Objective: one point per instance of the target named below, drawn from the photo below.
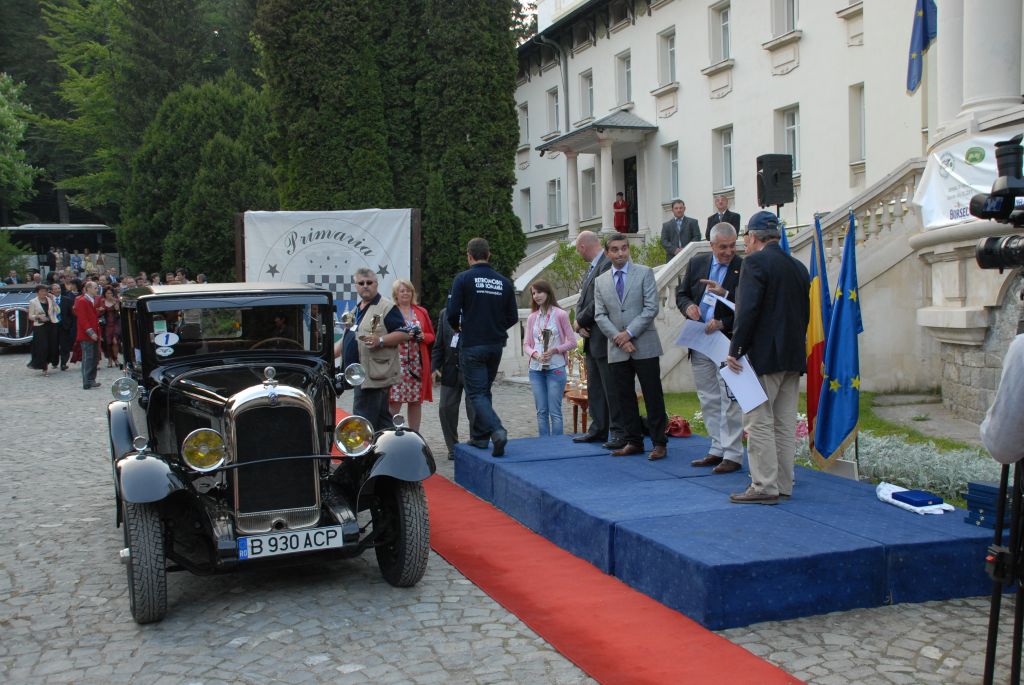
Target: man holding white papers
(708, 275)
(772, 311)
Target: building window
(588, 184)
(785, 14)
(671, 171)
(723, 158)
(624, 78)
(587, 94)
(524, 124)
(553, 110)
(858, 129)
(720, 41)
(788, 134)
(667, 57)
(525, 209)
(555, 202)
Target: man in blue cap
(772, 311)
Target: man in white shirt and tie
(679, 231)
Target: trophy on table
(545, 338)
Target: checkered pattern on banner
(343, 287)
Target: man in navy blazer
(595, 347)
(708, 275)
(772, 311)
(722, 213)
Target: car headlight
(203, 449)
(124, 389)
(353, 436)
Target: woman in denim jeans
(547, 362)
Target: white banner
(326, 248)
(953, 175)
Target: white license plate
(3, 330)
(259, 546)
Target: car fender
(122, 429)
(402, 455)
(145, 477)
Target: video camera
(1004, 204)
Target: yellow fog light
(203, 449)
(353, 436)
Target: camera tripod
(1005, 565)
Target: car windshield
(212, 330)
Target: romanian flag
(839, 402)
(821, 316)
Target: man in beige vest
(373, 342)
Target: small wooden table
(578, 399)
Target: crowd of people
(76, 311)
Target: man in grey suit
(595, 347)
(626, 302)
(679, 231)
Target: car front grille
(278, 495)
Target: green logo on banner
(974, 155)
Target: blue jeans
(548, 388)
(479, 365)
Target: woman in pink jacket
(547, 359)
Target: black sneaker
(499, 438)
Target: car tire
(147, 566)
(402, 517)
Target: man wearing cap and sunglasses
(772, 311)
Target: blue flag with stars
(783, 238)
(839, 403)
(921, 37)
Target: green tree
(469, 131)
(320, 61)
(568, 269)
(232, 178)
(170, 158)
(16, 174)
(12, 255)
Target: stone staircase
(895, 353)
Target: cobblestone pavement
(64, 614)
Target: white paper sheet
(715, 345)
(744, 385)
(727, 303)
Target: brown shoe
(726, 467)
(628, 450)
(752, 496)
(710, 460)
(659, 452)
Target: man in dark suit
(604, 427)
(772, 311)
(679, 231)
(626, 303)
(66, 326)
(722, 213)
(444, 359)
(708, 275)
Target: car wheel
(147, 568)
(401, 519)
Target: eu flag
(839, 402)
(922, 35)
(817, 327)
(783, 238)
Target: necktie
(56, 310)
(706, 310)
(620, 287)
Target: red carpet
(612, 632)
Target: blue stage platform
(669, 530)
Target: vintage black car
(15, 328)
(221, 435)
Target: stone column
(991, 55)
(607, 187)
(572, 190)
(950, 86)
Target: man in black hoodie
(481, 309)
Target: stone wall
(970, 374)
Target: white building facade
(665, 99)
(719, 84)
